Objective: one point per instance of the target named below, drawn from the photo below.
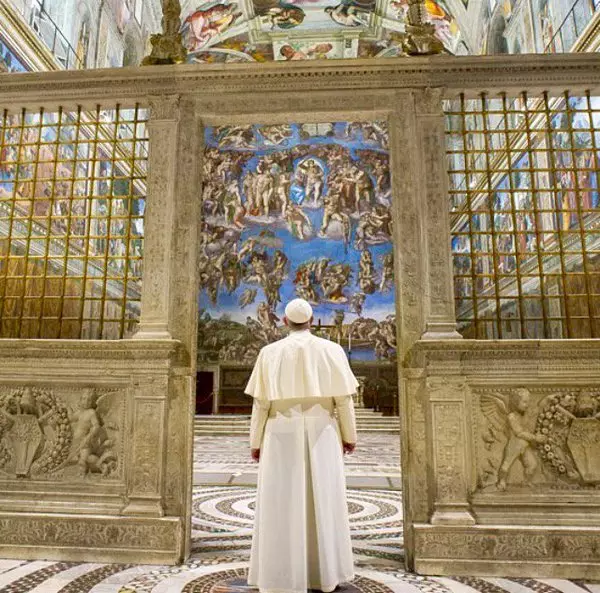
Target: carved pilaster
(147, 450)
(440, 319)
(163, 130)
(416, 493)
(450, 450)
(407, 229)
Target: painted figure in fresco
(333, 210)
(276, 135)
(247, 297)
(205, 24)
(374, 227)
(318, 51)
(547, 26)
(335, 279)
(362, 188)
(387, 272)
(232, 202)
(288, 53)
(235, 137)
(357, 302)
(247, 248)
(248, 187)
(510, 419)
(211, 198)
(312, 176)
(285, 16)
(264, 188)
(282, 191)
(280, 266)
(382, 181)
(338, 322)
(271, 289)
(366, 272)
(346, 14)
(303, 280)
(230, 270)
(266, 317)
(83, 43)
(298, 223)
(384, 336)
(257, 268)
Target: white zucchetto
(298, 311)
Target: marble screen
(299, 210)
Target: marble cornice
(555, 73)
(124, 351)
(556, 347)
(491, 358)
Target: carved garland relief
(534, 438)
(61, 434)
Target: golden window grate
(72, 198)
(525, 215)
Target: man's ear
(285, 321)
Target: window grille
(525, 215)
(72, 197)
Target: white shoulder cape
(301, 366)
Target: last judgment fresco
(299, 210)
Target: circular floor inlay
(234, 581)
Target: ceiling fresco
(219, 31)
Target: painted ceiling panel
(218, 31)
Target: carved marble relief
(538, 438)
(61, 434)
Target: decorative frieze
(505, 544)
(341, 78)
(61, 435)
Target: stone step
(234, 418)
(377, 422)
(239, 424)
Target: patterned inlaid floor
(222, 531)
(221, 545)
(226, 461)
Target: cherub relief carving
(506, 416)
(95, 434)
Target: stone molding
(472, 74)
(508, 551)
(83, 537)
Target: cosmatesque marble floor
(222, 530)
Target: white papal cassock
(302, 388)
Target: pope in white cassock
(302, 422)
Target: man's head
(298, 314)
